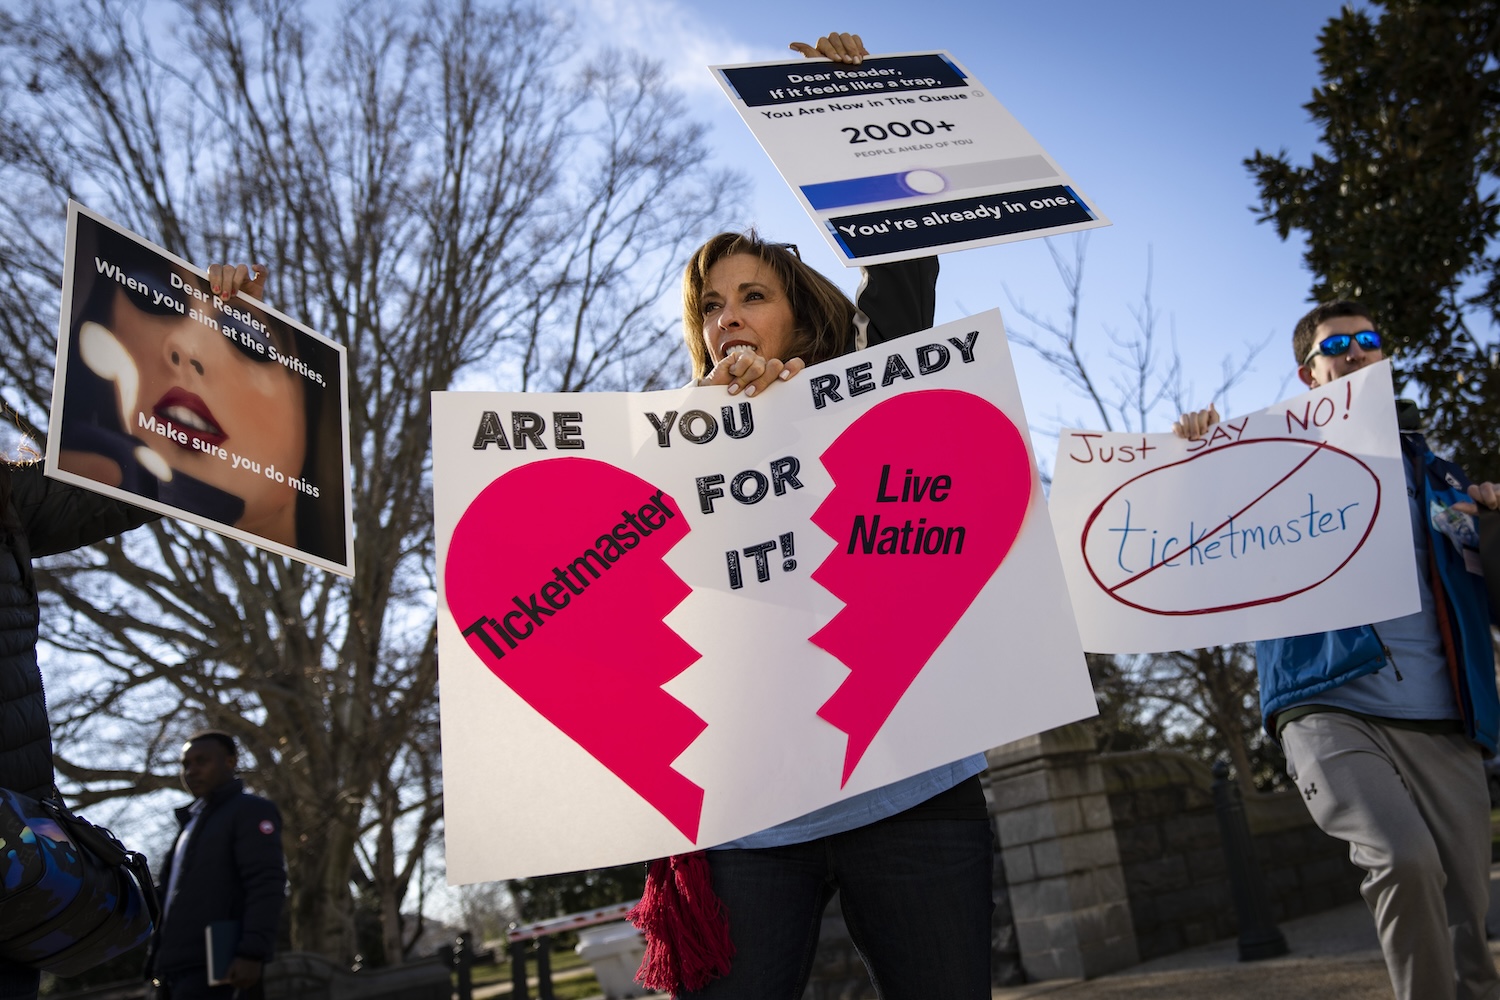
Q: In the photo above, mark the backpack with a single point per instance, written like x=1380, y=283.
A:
x=71, y=895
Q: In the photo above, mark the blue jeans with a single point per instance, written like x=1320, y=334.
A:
x=916, y=897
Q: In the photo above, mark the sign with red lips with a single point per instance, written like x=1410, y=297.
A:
x=224, y=413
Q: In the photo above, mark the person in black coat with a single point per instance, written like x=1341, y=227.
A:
x=226, y=865
x=38, y=517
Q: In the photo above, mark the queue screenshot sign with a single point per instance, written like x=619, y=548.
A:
x=904, y=156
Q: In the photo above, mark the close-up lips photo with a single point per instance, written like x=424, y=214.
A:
x=187, y=412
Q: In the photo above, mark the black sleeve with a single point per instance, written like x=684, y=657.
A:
x=262, y=875
x=897, y=299
x=58, y=517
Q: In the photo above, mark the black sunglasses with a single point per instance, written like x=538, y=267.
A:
x=150, y=293
x=1338, y=343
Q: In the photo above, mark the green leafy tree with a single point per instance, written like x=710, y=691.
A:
x=1398, y=208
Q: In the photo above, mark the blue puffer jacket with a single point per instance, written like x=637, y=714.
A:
x=1298, y=667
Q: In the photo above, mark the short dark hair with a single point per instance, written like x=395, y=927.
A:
x=215, y=736
x=1307, y=326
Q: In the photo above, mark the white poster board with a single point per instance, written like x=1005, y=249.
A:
x=671, y=619
x=227, y=414
x=904, y=155
x=1271, y=524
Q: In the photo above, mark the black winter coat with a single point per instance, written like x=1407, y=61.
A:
x=43, y=517
x=232, y=869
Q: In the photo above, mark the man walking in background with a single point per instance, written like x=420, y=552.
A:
x=225, y=869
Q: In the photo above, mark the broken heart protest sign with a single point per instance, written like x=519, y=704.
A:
x=671, y=619
x=1270, y=524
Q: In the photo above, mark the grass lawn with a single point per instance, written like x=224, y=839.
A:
x=562, y=960
x=576, y=989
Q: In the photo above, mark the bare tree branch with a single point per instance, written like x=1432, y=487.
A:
x=455, y=194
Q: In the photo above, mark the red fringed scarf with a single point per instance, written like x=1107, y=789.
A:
x=685, y=925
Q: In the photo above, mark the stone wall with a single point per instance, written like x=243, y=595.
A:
x=1067, y=889
x=1173, y=858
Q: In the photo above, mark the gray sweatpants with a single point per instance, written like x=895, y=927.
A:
x=1414, y=809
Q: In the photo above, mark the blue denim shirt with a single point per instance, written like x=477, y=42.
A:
x=865, y=808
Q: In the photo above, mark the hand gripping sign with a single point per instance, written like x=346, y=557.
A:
x=1271, y=524
x=671, y=619
x=904, y=155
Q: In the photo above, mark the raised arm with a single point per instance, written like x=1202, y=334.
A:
x=748, y=371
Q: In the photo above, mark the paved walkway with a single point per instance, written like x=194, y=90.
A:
x=1334, y=955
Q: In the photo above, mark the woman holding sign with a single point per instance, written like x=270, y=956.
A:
x=912, y=861
x=38, y=516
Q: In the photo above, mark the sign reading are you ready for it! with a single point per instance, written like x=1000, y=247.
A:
x=904, y=155
x=671, y=619
x=1270, y=524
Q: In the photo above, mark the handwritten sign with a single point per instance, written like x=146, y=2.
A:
x=1271, y=524
x=224, y=413
x=904, y=155
x=671, y=619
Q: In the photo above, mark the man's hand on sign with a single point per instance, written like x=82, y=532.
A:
x=838, y=46
x=1196, y=424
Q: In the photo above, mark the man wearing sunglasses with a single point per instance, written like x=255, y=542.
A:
x=1385, y=726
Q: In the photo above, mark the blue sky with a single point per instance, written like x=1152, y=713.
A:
x=1150, y=107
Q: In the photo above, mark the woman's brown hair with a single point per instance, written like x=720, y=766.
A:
x=823, y=313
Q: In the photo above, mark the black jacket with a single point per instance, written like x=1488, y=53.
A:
x=43, y=516
x=233, y=870
x=895, y=300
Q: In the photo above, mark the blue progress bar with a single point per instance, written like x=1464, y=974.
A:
x=858, y=191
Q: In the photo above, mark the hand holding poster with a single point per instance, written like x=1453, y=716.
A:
x=904, y=155
x=670, y=619
x=227, y=414
x=1269, y=525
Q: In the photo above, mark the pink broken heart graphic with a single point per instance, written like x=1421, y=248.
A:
x=555, y=577
x=930, y=492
